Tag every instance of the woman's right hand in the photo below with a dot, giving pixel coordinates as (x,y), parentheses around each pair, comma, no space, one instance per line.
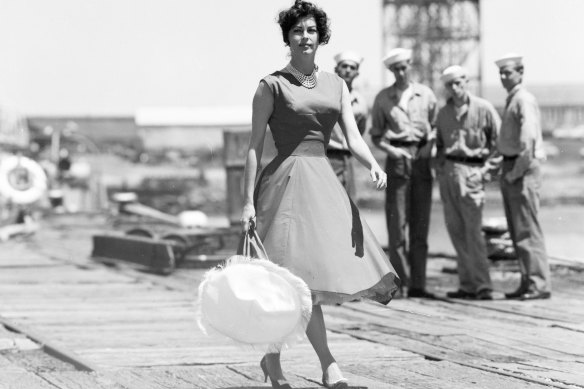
(247,215)
(378,176)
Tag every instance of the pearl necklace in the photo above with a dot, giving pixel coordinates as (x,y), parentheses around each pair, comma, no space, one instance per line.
(306,81)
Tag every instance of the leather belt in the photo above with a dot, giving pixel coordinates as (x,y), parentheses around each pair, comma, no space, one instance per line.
(338,152)
(403,143)
(461,159)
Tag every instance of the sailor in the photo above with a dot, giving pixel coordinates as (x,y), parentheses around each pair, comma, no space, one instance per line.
(403,117)
(347,67)
(466,154)
(520,142)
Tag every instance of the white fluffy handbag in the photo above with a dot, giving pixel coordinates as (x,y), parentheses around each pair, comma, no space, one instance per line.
(254,301)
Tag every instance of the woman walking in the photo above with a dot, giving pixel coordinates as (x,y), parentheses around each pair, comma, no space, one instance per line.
(305,218)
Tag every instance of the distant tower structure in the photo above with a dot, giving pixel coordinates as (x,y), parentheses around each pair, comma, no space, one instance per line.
(440,33)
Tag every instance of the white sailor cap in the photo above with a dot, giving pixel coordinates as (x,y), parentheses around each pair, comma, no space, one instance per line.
(348,56)
(453,72)
(397,55)
(510,59)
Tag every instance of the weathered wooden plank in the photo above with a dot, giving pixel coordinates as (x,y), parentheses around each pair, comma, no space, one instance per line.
(206,377)
(564,372)
(449,375)
(36,360)
(485,343)
(184,328)
(17,343)
(554,310)
(125,340)
(22,379)
(226,352)
(302,362)
(79,380)
(566,303)
(4,362)
(14,254)
(161,356)
(87,305)
(438,351)
(570,327)
(55,308)
(50,348)
(501,328)
(64,274)
(90,318)
(26,263)
(80,292)
(199,377)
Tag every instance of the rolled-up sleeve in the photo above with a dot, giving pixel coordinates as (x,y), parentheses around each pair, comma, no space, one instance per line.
(529,123)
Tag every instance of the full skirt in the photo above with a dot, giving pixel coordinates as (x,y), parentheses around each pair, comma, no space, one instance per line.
(309,225)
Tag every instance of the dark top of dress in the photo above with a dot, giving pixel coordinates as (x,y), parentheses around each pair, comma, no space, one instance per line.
(302,114)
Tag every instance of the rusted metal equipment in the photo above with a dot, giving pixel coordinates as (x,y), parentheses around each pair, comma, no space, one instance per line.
(160,242)
(151,254)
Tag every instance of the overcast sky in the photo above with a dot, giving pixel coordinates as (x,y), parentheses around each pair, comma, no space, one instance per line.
(110,57)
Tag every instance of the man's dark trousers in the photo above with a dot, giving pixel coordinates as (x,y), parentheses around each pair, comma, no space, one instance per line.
(408,203)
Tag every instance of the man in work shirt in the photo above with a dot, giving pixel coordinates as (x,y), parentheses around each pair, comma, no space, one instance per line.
(402,120)
(520,142)
(347,68)
(466,136)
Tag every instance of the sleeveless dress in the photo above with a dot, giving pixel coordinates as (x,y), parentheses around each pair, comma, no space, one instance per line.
(305,218)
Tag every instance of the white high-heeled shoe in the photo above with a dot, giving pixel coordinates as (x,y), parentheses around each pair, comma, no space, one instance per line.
(332,378)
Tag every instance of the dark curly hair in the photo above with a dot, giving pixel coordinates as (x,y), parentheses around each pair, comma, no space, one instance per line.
(301,9)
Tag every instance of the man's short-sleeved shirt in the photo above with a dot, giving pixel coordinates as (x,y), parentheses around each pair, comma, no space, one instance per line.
(521,127)
(392,122)
(467,132)
(360,111)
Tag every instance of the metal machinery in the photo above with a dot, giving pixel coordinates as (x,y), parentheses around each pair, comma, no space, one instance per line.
(440,33)
(160,242)
(156,241)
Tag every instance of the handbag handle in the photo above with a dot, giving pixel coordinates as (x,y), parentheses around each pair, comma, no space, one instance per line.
(250,244)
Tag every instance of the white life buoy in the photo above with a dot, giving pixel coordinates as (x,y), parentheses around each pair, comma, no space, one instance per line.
(22,180)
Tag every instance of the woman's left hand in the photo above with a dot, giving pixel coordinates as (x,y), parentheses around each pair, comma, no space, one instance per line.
(379,177)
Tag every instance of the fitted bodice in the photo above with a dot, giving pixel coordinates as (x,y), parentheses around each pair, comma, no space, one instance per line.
(302,114)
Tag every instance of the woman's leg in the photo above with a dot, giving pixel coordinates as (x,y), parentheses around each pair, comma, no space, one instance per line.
(316,332)
(274,367)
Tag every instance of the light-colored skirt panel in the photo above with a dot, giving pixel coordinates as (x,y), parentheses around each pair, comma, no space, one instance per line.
(309,225)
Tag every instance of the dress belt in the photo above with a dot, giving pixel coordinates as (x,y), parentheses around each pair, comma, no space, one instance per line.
(404,143)
(306,148)
(338,153)
(457,158)
(510,157)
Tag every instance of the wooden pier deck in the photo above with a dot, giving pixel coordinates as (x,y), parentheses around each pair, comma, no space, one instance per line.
(69,322)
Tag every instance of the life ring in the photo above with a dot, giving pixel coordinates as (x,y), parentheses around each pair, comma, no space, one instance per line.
(22,180)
